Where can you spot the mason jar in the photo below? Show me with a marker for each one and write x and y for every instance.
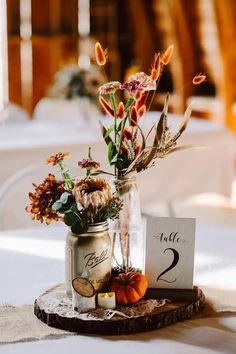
(89, 255)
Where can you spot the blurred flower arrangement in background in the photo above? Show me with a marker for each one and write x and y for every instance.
(73, 82)
(77, 203)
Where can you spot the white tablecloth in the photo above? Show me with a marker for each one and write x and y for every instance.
(31, 261)
(210, 169)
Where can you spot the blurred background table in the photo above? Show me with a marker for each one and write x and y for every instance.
(24, 148)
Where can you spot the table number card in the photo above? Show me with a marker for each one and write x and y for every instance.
(170, 252)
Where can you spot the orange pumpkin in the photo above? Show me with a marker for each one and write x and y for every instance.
(129, 287)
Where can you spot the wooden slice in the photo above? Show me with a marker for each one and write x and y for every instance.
(83, 287)
(159, 317)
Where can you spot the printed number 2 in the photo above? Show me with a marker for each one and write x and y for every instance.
(173, 264)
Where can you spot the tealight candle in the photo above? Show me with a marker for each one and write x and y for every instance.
(83, 295)
(107, 300)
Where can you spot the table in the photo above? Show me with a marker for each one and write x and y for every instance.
(210, 169)
(79, 108)
(195, 337)
(35, 257)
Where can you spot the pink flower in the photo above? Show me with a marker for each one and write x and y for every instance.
(139, 81)
(89, 164)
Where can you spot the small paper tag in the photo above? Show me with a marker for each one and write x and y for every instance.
(169, 260)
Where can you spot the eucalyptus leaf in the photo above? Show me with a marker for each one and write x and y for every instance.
(64, 197)
(57, 205)
(75, 209)
(67, 206)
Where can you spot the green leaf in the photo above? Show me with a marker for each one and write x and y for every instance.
(111, 151)
(129, 102)
(74, 208)
(119, 163)
(70, 218)
(57, 205)
(120, 126)
(78, 229)
(114, 160)
(109, 131)
(106, 137)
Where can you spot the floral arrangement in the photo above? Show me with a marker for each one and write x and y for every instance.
(77, 203)
(72, 81)
(130, 148)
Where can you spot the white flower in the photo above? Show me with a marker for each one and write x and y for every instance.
(92, 192)
(109, 87)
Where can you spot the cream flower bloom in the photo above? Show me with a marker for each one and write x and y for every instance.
(92, 192)
(109, 87)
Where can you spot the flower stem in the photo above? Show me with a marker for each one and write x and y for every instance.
(88, 170)
(127, 117)
(115, 123)
(65, 175)
(115, 115)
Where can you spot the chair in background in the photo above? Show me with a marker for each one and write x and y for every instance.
(14, 197)
(12, 113)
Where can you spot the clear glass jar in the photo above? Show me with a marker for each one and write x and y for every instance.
(89, 255)
(127, 231)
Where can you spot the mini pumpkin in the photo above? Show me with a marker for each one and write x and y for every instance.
(129, 287)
